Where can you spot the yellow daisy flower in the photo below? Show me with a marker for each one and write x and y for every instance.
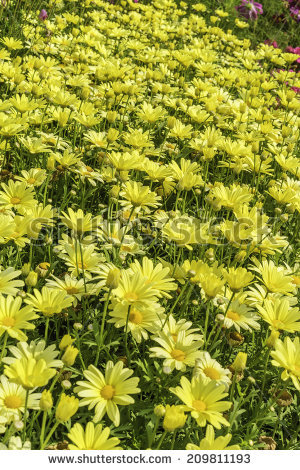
(202, 398)
(29, 372)
(92, 438)
(209, 442)
(49, 301)
(8, 284)
(280, 315)
(12, 400)
(176, 354)
(106, 392)
(210, 368)
(13, 318)
(17, 195)
(287, 355)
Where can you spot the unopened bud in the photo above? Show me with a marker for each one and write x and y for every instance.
(174, 418)
(46, 401)
(19, 425)
(70, 355)
(25, 269)
(66, 341)
(220, 318)
(160, 411)
(274, 335)
(240, 361)
(42, 269)
(31, 279)
(66, 384)
(251, 380)
(112, 135)
(167, 370)
(113, 278)
(171, 121)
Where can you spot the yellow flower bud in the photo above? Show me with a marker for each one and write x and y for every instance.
(174, 418)
(70, 355)
(25, 269)
(171, 121)
(239, 363)
(274, 335)
(46, 401)
(31, 279)
(42, 269)
(111, 116)
(160, 411)
(112, 135)
(66, 341)
(51, 163)
(66, 407)
(113, 278)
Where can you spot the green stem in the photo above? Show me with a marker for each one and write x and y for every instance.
(265, 375)
(46, 329)
(161, 440)
(43, 427)
(232, 387)
(206, 322)
(228, 305)
(102, 327)
(25, 416)
(126, 336)
(176, 302)
(4, 346)
(49, 435)
(173, 440)
(154, 431)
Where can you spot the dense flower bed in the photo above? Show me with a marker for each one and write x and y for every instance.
(149, 213)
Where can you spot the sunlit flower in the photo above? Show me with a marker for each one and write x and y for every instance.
(92, 438)
(106, 392)
(12, 400)
(210, 442)
(14, 319)
(287, 356)
(203, 398)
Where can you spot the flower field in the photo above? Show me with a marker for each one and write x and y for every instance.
(149, 228)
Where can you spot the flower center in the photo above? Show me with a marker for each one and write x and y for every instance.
(199, 405)
(13, 401)
(296, 369)
(44, 265)
(296, 280)
(80, 265)
(127, 248)
(15, 200)
(131, 296)
(31, 180)
(48, 310)
(107, 392)
(279, 325)
(212, 373)
(233, 315)
(178, 355)
(8, 321)
(71, 290)
(136, 317)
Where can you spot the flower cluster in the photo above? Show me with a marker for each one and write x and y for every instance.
(149, 209)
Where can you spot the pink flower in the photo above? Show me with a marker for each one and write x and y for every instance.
(249, 9)
(271, 43)
(43, 15)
